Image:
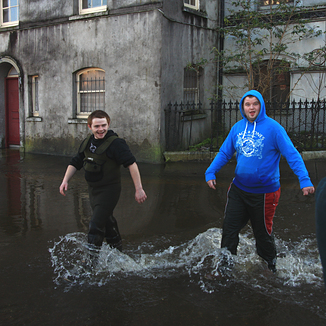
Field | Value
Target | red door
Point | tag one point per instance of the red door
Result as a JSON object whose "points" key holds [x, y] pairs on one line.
{"points": [[12, 111]]}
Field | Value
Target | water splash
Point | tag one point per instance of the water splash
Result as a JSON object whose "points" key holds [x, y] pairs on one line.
{"points": [[201, 259]]}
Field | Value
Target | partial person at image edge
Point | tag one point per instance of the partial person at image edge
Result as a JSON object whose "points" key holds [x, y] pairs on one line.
{"points": [[259, 141], [320, 212], [101, 154]]}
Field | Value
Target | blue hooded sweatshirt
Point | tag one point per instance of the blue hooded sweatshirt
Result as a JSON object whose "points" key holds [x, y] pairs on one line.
{"points": [[258, 146]]}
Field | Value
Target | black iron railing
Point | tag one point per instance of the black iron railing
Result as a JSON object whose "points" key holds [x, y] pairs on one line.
{"points": [[304, 121]]}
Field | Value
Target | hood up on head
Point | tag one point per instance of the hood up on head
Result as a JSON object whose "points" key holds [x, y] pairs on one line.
{"points": [[262, 113]]}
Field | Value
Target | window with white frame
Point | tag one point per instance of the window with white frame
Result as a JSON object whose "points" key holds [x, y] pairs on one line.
{"points": [[9, 13], [90, 91], [34, 96], [90, 6], [194, 4]]}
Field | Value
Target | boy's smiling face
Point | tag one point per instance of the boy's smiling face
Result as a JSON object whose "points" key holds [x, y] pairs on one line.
{"points": [[99, 127]]}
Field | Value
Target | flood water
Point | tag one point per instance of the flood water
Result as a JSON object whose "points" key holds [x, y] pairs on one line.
{"points": [[170, 271]]}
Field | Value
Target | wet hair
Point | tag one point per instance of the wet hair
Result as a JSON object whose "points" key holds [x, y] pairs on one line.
{"points": [[98, 114]]}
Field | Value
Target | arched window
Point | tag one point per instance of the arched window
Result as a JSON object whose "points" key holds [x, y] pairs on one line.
{"points": [[90, 91], [273, 83], [12, 73]]}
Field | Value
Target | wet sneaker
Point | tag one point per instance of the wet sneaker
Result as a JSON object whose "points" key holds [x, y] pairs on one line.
{"points": [[87, 267], [272, 267], [222, 264], [117, 245], [92, 261]]}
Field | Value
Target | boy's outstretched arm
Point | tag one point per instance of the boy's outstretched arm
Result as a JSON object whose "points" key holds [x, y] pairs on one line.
{"points": [[71, 170], [140, 194]]}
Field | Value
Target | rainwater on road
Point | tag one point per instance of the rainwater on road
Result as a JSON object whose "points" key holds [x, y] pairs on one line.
{"points": [[171, 271]]}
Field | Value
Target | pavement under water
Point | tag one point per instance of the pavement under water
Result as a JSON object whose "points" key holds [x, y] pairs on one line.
{"points": [[167, 273]]}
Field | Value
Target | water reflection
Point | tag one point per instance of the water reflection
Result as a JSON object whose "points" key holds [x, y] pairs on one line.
{"points": [[172, 256], [12, 220], [32, 202]]}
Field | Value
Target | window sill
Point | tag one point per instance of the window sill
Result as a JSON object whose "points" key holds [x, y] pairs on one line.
{"points": [[34, 119], [77, 121], [194, 12], [90, 15], [8, 28]]}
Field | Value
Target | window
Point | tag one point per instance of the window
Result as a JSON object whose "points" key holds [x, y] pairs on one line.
{"points": [[90, 91], [274, 2], [9, 13], [194, 4], [90, 6], [13, 73], [273, 84], [33, 98], [35, 107], [191, 86]]}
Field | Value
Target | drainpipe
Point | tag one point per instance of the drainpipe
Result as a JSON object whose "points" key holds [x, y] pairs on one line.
{"points": [[217, 114], [221, 48]]}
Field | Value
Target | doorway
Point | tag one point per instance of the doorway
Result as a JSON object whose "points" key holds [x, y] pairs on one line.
{"points": [[12, 111]]}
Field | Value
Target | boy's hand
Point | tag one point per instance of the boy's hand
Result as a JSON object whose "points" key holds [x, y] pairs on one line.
{"points": [[63, 188], [212, 184], [308, 190], [140, 196]]}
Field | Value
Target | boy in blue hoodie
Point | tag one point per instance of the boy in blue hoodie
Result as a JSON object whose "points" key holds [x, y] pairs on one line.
{"points": [[259, 141]]}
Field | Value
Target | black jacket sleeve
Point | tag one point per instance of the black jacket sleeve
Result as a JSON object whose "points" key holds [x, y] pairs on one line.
{"points": [[78, 161], [120, 152]]}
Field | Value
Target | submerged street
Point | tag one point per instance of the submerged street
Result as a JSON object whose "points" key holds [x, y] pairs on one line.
{"points": [[167, 272]]}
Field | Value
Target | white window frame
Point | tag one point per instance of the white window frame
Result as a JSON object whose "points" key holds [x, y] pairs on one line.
{"points": [[10, 6], [83, 115], [35, 93], [187, 4], [92, 9]]}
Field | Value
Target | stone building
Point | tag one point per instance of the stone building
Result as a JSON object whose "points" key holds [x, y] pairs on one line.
{"points": [[301, 79], [59, 60]]}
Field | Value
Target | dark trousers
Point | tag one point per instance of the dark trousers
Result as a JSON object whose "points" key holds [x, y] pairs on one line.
{"points": [[103, 225], [243, 206], [321, 222]]}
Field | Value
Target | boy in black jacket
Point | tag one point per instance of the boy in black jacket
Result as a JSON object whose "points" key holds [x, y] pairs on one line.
{"points": [[101, 154]]}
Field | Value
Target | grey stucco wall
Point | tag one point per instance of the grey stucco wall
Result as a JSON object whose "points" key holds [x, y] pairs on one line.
{"points": [[143, 47], [43, 10], [187, 39], [127, 47]]}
